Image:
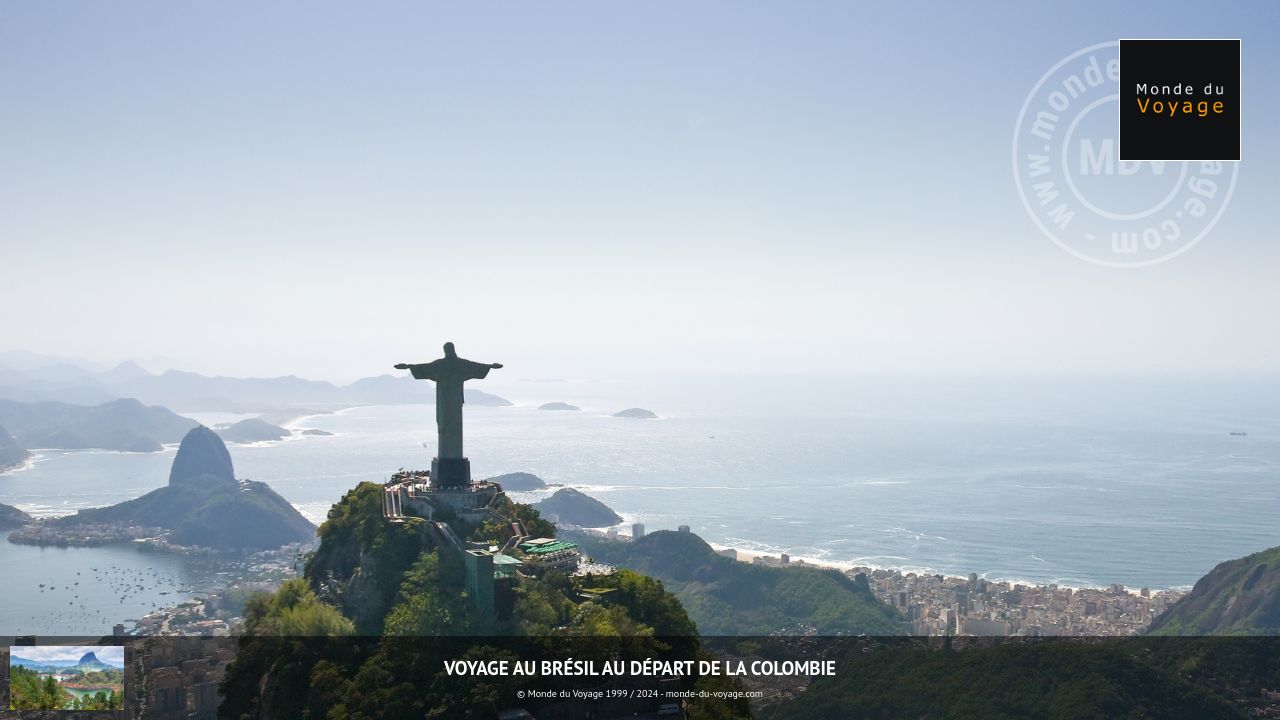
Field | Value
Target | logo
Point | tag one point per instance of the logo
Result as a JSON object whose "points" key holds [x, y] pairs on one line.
{"points": [[1092, 204], [1180, 99]]}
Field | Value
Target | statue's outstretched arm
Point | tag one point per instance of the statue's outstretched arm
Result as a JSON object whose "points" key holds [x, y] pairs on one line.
{"points": [[402, 366], [495, 366]]}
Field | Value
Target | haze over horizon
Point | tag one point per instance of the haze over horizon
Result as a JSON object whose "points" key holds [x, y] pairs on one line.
{"points": [[269, 190]]}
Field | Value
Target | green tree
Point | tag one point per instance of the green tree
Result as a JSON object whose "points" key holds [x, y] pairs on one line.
{"points": [[432, 600], [294, 611]]}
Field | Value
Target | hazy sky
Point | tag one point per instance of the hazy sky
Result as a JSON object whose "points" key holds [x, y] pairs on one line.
{"points": [[326, 189]]}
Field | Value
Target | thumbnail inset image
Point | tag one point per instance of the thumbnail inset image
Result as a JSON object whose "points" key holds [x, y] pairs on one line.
{"points": [[66, 677]]}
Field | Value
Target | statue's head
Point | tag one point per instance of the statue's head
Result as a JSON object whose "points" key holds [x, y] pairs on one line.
{"points": [[449, 351]]}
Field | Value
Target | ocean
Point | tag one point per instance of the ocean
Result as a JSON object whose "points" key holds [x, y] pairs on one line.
{"points": [[1083, 482]]}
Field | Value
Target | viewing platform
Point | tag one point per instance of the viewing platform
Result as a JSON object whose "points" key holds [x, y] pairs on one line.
{"points": [[410, 493]]}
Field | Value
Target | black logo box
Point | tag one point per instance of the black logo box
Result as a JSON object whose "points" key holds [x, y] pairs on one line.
{"points": [[1185, 67]]}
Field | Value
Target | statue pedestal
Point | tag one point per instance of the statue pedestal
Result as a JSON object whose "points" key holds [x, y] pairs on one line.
{"points": [[450, 472]]}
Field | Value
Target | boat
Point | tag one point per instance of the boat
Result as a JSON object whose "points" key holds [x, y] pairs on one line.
{"points": [[1239, 434]]}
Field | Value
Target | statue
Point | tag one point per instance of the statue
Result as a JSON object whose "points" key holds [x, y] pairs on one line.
{"points": [[450, 468]]}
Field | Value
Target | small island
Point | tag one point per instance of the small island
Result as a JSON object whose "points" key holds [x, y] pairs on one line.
{"points": [[253, 430], [315, 432], [638, 413], [519, 481], [577, 508], [558, 406]]}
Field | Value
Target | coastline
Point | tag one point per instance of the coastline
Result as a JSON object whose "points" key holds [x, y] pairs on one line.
{"points": [[312, 512], [845, 566], [749, 556], [27, 463]]}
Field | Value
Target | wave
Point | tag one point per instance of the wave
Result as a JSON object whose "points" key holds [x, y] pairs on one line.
{"points": [[30, 462], [590, 488], [315, 512], [40, 510], [901, 564]]}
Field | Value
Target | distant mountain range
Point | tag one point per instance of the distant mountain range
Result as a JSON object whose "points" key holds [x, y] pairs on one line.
{"points": [[73, 407], [116, 425], [191, 392], [88, 661]]}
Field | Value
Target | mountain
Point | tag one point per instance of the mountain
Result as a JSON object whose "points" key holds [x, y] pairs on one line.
{"points": [[11, 453], [518, 481], [390, 390], [1238, 597], [402, 389], [405, 588], [31, 378], [37, 385], [473, 396], [728, 597], [558, 406], [28, 377], [253, 430], [637, 413], [193, 391], [11, 517], [90, 661], [38, 665], [202, 460], [124, 424], [126, 371], [577, 508], [203, 505]]}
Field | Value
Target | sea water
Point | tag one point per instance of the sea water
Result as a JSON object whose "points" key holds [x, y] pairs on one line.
{"points": [[52, 591], [1084, 482]]}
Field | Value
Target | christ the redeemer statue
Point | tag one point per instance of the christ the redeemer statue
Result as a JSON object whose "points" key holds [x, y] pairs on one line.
{"points": [[450, 468]]}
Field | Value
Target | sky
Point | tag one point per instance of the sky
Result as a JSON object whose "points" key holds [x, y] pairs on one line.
{"points": [[579, 189]]}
